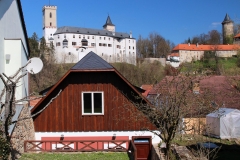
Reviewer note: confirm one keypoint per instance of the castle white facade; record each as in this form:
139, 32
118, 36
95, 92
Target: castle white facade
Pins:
73, 43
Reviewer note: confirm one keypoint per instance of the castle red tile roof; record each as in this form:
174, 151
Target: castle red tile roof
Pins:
201, 47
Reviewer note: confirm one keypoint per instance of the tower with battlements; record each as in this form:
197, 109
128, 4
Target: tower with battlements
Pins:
49, 22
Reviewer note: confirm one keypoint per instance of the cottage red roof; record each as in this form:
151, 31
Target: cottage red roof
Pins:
237, 36
174, 54
147, 88
222, 89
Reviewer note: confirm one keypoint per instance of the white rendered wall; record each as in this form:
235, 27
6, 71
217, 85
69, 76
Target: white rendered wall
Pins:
48, 32
18, 59
10, 28
72, 54
155, 139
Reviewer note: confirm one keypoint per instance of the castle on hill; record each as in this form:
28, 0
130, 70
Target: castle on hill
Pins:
73, 43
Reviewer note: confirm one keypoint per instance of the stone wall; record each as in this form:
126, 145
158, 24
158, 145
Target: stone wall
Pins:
151, 60
24, 130
155, 153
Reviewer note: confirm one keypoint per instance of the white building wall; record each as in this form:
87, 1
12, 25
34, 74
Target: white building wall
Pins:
11, 28
155, 139
17, 60
72, 54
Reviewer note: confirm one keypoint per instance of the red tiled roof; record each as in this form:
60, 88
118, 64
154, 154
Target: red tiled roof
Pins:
222, 88
202, 47
174, 54
34, 101
147, 88
237, 36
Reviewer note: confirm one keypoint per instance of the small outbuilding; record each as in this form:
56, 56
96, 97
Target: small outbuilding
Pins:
223, 123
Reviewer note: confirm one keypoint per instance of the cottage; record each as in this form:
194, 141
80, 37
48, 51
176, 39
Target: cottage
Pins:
91, 101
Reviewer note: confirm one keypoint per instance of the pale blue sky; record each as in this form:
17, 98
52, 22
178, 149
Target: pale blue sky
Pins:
175, 20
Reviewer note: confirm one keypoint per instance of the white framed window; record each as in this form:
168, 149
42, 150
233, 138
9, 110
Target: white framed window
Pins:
92, 103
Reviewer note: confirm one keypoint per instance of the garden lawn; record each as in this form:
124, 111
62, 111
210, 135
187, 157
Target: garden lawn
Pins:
76, 156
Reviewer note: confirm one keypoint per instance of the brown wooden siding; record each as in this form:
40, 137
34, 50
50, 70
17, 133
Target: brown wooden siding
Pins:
65, 112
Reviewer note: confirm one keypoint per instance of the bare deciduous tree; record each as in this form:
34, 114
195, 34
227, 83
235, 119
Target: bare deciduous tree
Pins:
8, 109
174, 100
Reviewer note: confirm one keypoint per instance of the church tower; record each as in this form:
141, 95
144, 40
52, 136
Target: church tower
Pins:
227, 29
49, 22
109, 25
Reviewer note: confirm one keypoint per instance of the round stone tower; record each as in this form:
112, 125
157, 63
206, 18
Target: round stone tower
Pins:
227, 29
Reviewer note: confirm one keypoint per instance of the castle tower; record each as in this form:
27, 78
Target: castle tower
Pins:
109, 25
227, 29
49, 22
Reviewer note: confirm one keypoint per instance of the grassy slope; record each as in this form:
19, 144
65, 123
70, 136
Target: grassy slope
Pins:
227, 66
75, 156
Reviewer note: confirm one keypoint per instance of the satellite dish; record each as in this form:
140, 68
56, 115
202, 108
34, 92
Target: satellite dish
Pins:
35, 65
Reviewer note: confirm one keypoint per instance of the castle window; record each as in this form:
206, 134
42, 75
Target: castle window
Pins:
133, 47
65, 43
129, 47
87, 37
92, 44
84, 42
79, 36
50, 23
104, 38
74, 43
118, 46
100, 44
69, 53
64, 35
50, 15
73, 36
109, 45
58, 36
104, 44
92, 37
58, 44
109, 39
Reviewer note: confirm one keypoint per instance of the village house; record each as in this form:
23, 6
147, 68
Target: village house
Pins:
205, 94
92, 101
14, 54
193, 52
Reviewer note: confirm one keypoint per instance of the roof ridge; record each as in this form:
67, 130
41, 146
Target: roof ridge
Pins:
91, 61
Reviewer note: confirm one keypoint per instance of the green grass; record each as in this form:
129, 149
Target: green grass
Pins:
76, 156
227, 66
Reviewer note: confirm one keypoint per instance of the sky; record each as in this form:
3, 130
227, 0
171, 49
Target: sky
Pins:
175, 20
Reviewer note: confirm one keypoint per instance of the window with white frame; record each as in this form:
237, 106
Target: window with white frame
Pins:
92, 103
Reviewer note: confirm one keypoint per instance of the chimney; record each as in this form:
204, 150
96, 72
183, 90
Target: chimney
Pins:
197, 44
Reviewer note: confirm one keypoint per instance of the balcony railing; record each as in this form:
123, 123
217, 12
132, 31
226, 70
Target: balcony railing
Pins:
76, 145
